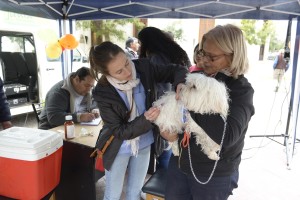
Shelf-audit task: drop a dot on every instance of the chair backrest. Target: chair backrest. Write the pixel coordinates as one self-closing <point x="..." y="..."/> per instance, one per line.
<point x="37" y="108"/>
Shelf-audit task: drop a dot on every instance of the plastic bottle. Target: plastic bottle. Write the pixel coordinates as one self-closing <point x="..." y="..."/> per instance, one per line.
<point x="69" y="127"/>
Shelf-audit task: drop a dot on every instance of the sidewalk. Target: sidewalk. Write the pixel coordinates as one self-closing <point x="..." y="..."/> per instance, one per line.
<point x="266" y="171"/>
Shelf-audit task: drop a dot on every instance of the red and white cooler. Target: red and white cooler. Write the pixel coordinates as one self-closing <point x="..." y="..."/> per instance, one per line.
<point x="30" y="162"/>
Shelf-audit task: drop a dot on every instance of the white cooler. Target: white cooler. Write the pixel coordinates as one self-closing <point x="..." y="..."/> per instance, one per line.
<point x="30" y="162"/>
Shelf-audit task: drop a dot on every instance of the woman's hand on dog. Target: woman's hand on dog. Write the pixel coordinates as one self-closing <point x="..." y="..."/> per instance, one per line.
<point x="152" y="113"/>
<point x="171" y="137"/>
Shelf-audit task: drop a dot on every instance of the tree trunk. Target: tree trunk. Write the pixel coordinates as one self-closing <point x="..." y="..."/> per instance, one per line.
<point x="96" y="38"/>
<point x="261" y="52"/>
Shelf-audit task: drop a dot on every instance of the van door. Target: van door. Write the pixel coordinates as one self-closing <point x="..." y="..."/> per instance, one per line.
<point x="50" y="71"/>
<point x="18" y="68"/>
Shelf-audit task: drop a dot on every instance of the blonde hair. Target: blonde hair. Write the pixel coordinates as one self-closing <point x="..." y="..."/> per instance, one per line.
<point x="230" y="39"/>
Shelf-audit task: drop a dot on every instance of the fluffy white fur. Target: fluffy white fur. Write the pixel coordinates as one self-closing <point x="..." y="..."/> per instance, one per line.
<point x="169" y="109"/>
<point x="200" y="94"/>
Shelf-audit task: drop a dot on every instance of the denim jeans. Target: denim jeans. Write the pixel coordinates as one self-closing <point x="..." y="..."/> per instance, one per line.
<point x="136" y="167"/>
<point x="163" y="159"/>
<point x="181" y="186"/>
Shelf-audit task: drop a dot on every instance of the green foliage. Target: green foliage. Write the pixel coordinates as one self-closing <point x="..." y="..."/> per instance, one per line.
<point x="267" y="29"/>
<point x="177" y="33"/>
<point x="257" y="36"/>
<point x="248" y="27"/>
<point x="84" y="24"/>
<point x="276" y="44"/>
<point x="106" y="29"/>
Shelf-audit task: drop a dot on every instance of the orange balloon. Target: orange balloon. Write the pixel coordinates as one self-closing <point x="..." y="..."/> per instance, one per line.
<point x="53" y="50"/>
<point x="68" y="41"/>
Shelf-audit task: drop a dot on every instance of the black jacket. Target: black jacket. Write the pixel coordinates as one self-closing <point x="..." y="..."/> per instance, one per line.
<point x="114" y="112"/>
<point x="241" y="110"/>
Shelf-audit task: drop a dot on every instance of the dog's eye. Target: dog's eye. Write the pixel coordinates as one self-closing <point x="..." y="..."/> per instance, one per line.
<point x="193" y="86"/>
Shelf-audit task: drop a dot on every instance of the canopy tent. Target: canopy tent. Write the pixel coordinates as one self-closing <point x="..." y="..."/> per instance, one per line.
<point x="64" y="10"/>
<point x="114" y="9"/>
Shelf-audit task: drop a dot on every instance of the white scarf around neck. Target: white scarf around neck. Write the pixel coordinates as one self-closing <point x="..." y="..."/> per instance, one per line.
<point x="127" y="88"/>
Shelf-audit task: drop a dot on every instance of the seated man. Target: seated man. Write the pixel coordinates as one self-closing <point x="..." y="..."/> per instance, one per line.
<point x="70" y="96"/>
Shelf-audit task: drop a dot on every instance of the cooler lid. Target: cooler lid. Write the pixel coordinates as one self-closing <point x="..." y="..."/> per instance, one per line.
<point x="29" y="139"/>
<point x="28" y="143"/>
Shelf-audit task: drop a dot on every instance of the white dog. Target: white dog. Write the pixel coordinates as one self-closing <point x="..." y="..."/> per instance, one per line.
<point x="200" y="94"/>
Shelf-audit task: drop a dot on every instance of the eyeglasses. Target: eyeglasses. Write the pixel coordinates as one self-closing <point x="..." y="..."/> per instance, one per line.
<point x="202" y="54"/>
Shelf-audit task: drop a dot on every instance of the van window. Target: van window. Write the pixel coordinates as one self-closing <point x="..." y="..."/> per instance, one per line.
<point x="16" y="44"/>
<point x="76" y="55"/>
<point x="29" y="48"/>
<point x="12" y="44"/>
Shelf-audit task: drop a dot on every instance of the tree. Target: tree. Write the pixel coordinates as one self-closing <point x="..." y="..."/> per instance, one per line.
<point x="248" y="27"/>
<point x="276" y="44"/>
<point x="104" y="30"/>
<point x="259" y="36"/>
<point x="255" y="35"/>
<point x="176" y="32"/>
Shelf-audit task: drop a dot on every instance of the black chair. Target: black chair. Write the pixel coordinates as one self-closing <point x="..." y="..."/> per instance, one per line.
<point x="37" y="108"/>
<point x="155" y="186"/>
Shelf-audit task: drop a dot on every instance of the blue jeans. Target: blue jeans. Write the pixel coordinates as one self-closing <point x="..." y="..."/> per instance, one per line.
<point x="163" y="159"/>
<point x="136" y="167"/>
<point x="181" y="186"/>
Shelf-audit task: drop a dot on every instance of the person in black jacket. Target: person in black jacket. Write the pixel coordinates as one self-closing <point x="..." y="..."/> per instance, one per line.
<point x="160" y="48"/>
<point x="5" y="116"/>
<point x="124" y="93"/>
<point x="192" y="175"/>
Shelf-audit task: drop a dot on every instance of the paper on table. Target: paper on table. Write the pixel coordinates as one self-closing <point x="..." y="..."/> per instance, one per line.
<point x="95" y="122"/>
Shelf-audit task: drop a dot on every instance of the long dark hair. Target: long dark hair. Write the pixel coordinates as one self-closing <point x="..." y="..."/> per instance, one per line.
<point x="156" y="41"/>
<point x="101" y="55"/>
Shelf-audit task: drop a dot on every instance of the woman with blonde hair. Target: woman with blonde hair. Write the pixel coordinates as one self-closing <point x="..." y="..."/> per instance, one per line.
<point x="192" y="175"/>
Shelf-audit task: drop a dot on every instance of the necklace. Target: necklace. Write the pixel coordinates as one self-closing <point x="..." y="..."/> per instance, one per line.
<point x="216" y="162"/>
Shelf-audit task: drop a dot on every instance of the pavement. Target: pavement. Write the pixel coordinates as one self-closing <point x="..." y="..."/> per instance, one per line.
<point x="270" y="162"/>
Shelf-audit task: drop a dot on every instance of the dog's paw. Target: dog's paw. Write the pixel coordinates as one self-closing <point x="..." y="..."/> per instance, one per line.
<point x="215" y="147"/>
<point x="213" y="156"/>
